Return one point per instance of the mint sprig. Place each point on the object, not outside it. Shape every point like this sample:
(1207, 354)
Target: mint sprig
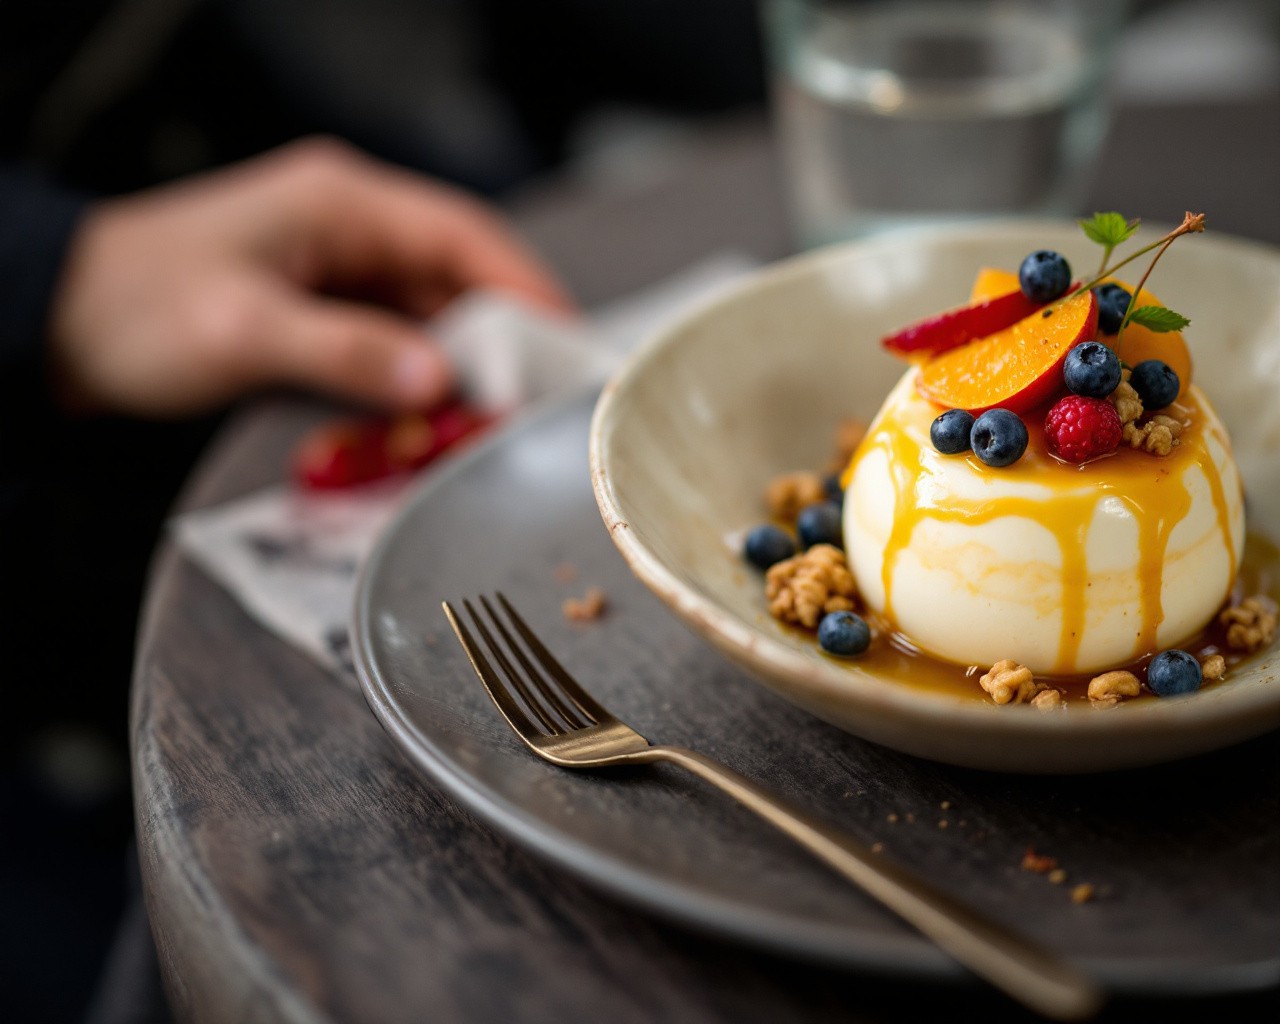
(1109, 230)
(1158, 319)
(1105, 226)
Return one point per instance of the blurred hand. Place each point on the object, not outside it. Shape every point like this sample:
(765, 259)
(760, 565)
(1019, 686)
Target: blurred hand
(308, 266)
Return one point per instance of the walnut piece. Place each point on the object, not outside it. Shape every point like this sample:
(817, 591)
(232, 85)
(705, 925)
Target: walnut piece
(589, 608)
(786, 495)
(1010, 683)
(1048, 699)
(1213, 667)
(1083, 893)
(1251, 624)
(1158, 436)
(803, 588)
(1126, 400)
(1110, 688)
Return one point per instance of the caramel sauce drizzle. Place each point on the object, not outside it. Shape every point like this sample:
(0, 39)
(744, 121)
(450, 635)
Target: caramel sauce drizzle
(1155, 488)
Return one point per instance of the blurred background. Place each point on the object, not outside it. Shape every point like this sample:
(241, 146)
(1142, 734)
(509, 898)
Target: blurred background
(512, 99)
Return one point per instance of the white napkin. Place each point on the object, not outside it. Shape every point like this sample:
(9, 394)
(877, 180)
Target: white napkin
(290, 556)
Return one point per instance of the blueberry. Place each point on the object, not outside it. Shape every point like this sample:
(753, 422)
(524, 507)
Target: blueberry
(831, 484)
(1113, 302)
(1156, 383)
(950, 431)
(1092, 370)
(998, 437)
(1173, 672)
(844, 633)
(1044, 275)
(819, 523)
(767, 545)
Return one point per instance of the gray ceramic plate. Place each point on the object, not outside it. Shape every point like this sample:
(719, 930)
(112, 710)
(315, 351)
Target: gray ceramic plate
(1183, 857)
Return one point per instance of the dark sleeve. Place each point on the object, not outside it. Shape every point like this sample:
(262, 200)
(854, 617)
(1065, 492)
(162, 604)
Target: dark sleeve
(36, 222)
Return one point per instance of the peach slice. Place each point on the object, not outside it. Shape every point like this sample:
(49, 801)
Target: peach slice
(956, 327)
(1017, 368)
(992, 282)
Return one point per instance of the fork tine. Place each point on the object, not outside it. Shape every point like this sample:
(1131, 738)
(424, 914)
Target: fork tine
(582, 700)
(510, 709)
(570, 716)
(539, 711)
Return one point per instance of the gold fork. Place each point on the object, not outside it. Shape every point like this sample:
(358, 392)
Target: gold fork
(559, 721)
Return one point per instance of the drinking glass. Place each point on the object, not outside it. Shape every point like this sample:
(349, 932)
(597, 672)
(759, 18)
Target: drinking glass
(895, 114)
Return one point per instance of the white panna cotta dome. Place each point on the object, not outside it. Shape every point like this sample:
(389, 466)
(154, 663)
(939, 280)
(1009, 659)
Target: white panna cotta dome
(1066, 569)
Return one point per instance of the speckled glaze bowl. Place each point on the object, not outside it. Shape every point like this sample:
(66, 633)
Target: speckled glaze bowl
(686, 436)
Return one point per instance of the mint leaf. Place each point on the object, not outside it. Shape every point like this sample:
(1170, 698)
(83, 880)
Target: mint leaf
(1158, 319)
(1109, 229)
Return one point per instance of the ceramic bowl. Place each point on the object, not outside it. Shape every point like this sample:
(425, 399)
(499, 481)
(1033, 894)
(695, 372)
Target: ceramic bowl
(686, 436)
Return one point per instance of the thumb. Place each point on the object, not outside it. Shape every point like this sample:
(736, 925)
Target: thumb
(356, 351)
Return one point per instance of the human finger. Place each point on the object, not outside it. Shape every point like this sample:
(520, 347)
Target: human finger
(370, 224)
(354, 351)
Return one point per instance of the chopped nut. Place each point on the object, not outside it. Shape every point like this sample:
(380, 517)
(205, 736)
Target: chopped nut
(589, 608)
(1009, 682)
(1110, 688)
(1040, 864)
(1048, 699)
(803, 588)
(943, 823)
(1251, 624)
(1082, 893)
(1057, 876)
(1126, 400)
(945, 805)
(1159, 435)
(877, 847)
(786, 495)
(1213, 667)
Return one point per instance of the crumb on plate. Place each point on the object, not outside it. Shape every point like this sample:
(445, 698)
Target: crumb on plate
(588, 608)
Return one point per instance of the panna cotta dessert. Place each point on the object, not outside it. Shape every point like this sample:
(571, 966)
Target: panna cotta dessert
(1063, 568)
(1045, 503)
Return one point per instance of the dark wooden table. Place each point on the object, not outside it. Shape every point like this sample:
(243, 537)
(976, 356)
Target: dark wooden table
(296, 868)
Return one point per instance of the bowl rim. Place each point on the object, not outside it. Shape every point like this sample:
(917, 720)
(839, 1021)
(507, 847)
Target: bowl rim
(847, 682)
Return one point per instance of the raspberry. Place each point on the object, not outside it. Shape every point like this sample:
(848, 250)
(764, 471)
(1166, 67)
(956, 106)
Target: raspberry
(1079, 428)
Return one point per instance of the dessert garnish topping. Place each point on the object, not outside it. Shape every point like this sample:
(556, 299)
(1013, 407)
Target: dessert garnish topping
(999, 437)
(844, 633)
(1251, 624)
(1110, 230)
(1110, 688)
(807, 586)
(1172, 673)
(1079, 428)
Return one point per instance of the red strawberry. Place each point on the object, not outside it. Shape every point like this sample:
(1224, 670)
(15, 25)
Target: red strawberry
(1078, 429)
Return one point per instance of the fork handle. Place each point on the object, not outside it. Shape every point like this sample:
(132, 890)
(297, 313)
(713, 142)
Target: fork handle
(1008, 960)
